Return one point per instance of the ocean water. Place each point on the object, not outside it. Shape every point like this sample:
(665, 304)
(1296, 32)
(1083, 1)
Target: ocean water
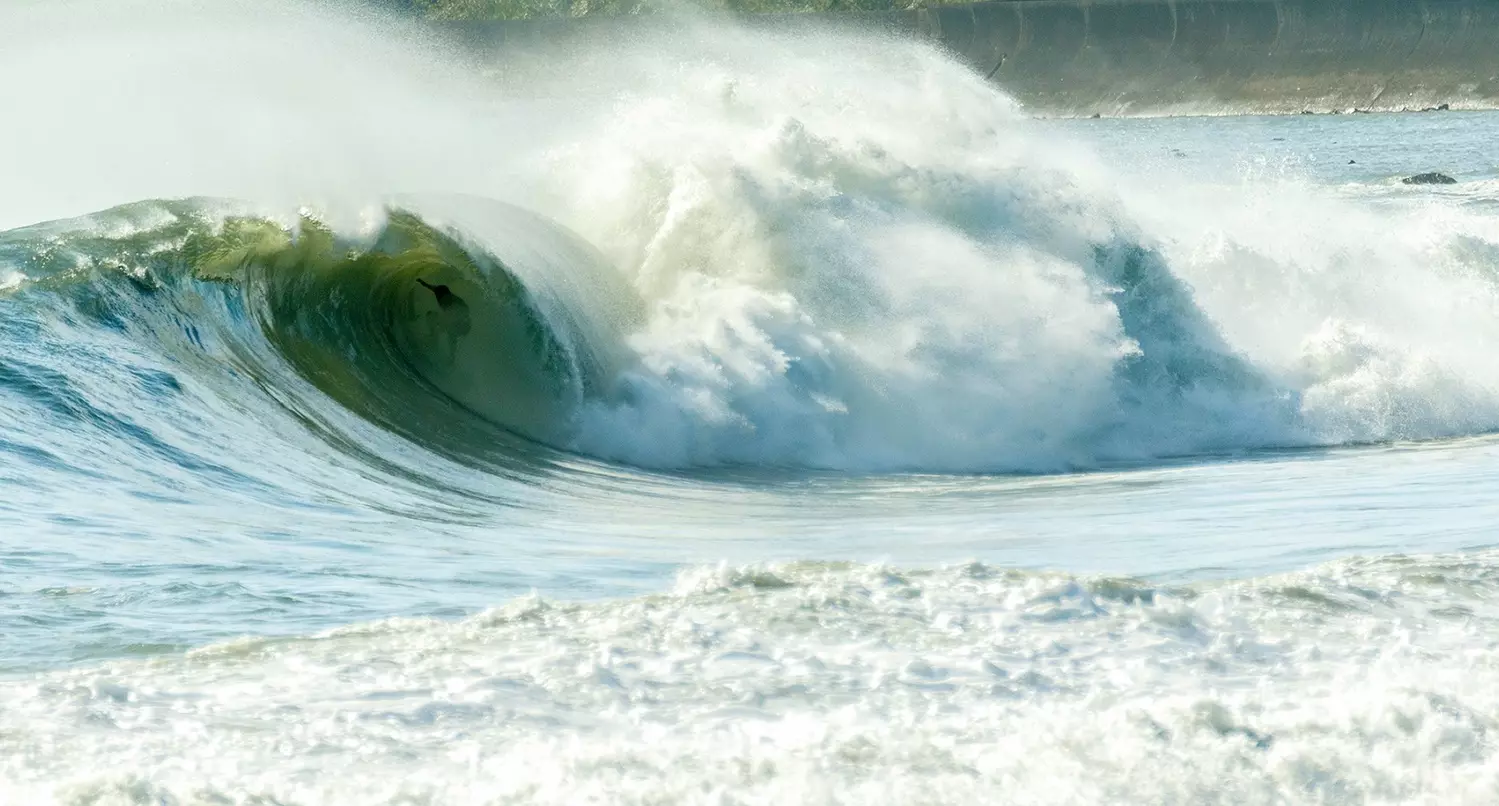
(727, 419)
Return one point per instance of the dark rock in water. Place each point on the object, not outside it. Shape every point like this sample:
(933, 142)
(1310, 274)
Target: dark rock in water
(1353, 162)
(1432, 178)
(1438, 108)
(1096, 116)
(1307, 112)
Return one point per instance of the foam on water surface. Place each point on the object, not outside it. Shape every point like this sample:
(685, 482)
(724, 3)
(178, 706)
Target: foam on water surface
(1354, 682)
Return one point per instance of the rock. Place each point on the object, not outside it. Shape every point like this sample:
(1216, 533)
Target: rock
(1432, 178)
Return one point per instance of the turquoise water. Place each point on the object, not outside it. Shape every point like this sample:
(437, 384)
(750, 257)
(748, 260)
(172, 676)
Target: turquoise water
(858, 439)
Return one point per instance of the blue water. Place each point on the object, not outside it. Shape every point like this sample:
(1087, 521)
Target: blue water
(781, 448)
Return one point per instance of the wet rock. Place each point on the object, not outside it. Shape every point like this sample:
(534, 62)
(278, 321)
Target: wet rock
(1432, 178)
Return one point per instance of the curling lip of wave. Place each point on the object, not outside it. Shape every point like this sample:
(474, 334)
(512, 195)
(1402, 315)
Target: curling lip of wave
(352, 312)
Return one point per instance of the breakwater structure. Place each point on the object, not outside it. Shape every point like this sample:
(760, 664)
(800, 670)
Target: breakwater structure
(1143, 57)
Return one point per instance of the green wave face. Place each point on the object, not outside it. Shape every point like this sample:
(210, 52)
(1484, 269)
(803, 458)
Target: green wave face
(414, 313)
(410, 326)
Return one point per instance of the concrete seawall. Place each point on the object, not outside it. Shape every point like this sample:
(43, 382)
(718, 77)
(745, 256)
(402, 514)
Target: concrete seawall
(1115, 57)
(1209, 55)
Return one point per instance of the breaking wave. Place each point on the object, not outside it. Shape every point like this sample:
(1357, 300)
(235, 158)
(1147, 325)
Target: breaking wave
(729, 263)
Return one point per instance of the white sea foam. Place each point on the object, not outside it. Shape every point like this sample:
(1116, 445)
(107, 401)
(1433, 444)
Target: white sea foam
(1355, 682)
(889, 266)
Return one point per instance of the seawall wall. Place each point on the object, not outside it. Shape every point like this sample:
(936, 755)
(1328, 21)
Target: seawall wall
(1119, 57)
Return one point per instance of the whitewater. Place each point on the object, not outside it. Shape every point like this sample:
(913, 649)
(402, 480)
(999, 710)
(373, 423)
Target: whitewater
(715, 416)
